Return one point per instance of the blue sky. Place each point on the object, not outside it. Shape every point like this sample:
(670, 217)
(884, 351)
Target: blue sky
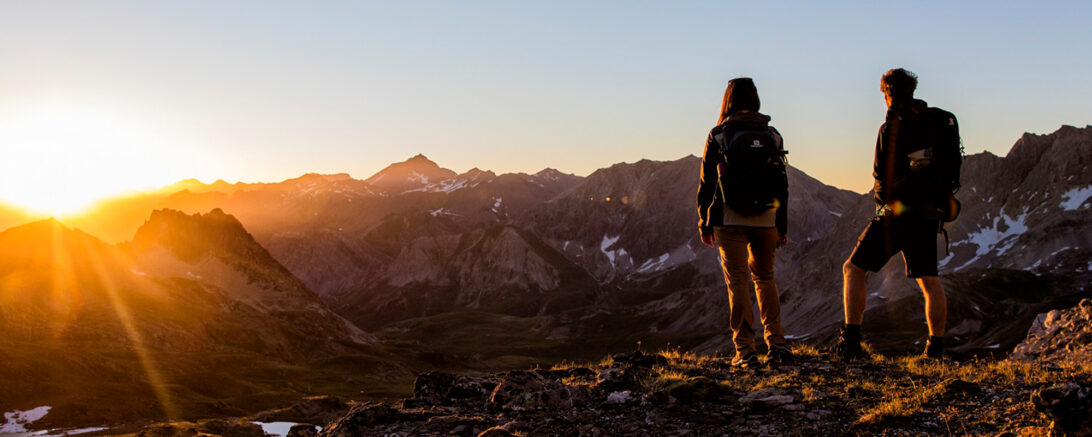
(263, 91)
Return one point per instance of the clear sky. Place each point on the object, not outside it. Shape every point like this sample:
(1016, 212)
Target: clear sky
(132, 94)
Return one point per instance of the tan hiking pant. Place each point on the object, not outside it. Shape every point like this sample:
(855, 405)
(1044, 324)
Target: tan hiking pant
(747, 253)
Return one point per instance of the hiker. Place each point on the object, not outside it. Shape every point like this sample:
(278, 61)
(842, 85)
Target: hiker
(915, 174)
(742, 208)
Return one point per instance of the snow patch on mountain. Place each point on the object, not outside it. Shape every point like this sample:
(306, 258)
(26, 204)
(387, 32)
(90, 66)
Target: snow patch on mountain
(17, 420)
(1075, 198)
(279, 429)
(1060, 250)
(654, 264)
(611, 254)
(999, 236)
(447, 186)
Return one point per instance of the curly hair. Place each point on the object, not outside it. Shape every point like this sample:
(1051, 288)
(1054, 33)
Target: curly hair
(899, 83)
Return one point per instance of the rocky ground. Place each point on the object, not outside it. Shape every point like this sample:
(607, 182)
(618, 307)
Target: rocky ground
(675, 394)
(671, 393)
(1045, 388)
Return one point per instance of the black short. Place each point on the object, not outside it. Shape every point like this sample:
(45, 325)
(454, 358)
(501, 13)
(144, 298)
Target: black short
(886, 236)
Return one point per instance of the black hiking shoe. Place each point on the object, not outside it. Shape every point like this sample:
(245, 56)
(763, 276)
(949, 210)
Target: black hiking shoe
(849, 345)
(779, 354)
(746, 361)
(934, 348)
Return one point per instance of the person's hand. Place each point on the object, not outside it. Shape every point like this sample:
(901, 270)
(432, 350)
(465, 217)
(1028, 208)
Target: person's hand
(707, 239)
(782, 240)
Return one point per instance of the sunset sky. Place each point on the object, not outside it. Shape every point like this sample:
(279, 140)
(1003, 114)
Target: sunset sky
(97, 97)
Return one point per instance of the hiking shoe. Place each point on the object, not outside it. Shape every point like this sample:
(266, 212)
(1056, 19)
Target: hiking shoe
(746, 361)
(934, 348)
(779, 354)
(849, 347)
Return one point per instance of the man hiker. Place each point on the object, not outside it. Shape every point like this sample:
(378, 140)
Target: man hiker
(913, 169)
(742, 208)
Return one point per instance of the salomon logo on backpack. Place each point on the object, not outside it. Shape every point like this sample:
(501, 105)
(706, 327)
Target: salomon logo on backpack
(754, 173)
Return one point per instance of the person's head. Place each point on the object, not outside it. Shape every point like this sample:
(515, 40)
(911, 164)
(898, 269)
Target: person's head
(898, 85)
(741, 95)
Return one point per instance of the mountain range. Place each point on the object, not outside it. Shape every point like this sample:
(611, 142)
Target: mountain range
(419, 267)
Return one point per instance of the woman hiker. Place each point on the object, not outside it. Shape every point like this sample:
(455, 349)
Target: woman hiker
(742, 209)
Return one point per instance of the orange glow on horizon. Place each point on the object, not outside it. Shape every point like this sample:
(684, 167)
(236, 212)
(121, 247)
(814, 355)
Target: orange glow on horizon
(59, 161)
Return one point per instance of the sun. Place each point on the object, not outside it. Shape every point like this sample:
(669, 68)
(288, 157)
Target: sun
(60, 160)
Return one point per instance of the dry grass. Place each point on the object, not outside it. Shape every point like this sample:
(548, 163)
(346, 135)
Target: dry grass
(663, 377)
(686, 360)
(566, 365)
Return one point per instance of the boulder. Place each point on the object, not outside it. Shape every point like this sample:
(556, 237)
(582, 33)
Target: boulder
(302, 430)
(527, 389)
(1067, 406)
(442, 388)
(1059, 335)
(360, 419)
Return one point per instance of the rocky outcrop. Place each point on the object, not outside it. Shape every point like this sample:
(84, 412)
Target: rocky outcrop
(1060, 335)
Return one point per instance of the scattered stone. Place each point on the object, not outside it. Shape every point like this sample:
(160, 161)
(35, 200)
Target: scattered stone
(957, 387)
(1068, 406)
(620, 397)
(697, 389)
(302, 430)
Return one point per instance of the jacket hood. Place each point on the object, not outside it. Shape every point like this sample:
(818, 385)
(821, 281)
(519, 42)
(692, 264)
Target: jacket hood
(741, 95)
(747, 117)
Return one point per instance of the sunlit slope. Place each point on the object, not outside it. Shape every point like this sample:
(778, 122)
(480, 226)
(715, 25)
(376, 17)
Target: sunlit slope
(193, 318)
(12, 216)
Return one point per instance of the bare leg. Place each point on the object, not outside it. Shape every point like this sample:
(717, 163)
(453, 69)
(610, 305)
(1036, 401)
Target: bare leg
(854, 292)
(936, 304)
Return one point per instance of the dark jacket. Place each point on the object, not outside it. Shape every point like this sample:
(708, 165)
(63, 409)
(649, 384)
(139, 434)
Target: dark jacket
(710, 204)
(902, 134)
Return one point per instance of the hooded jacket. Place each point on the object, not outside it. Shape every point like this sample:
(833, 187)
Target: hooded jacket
(741, 105)
(897, 187)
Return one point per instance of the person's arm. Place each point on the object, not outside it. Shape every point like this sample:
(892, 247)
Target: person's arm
(879, 169)
(782, 220)
(707, 186)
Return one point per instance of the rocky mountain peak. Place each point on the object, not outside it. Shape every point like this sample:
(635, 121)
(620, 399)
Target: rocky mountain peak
(476, 173)
(37, 241)
(191, 237)
(416, 172)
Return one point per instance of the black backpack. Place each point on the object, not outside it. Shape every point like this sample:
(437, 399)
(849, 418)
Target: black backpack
(941, 133)
(754, 172)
